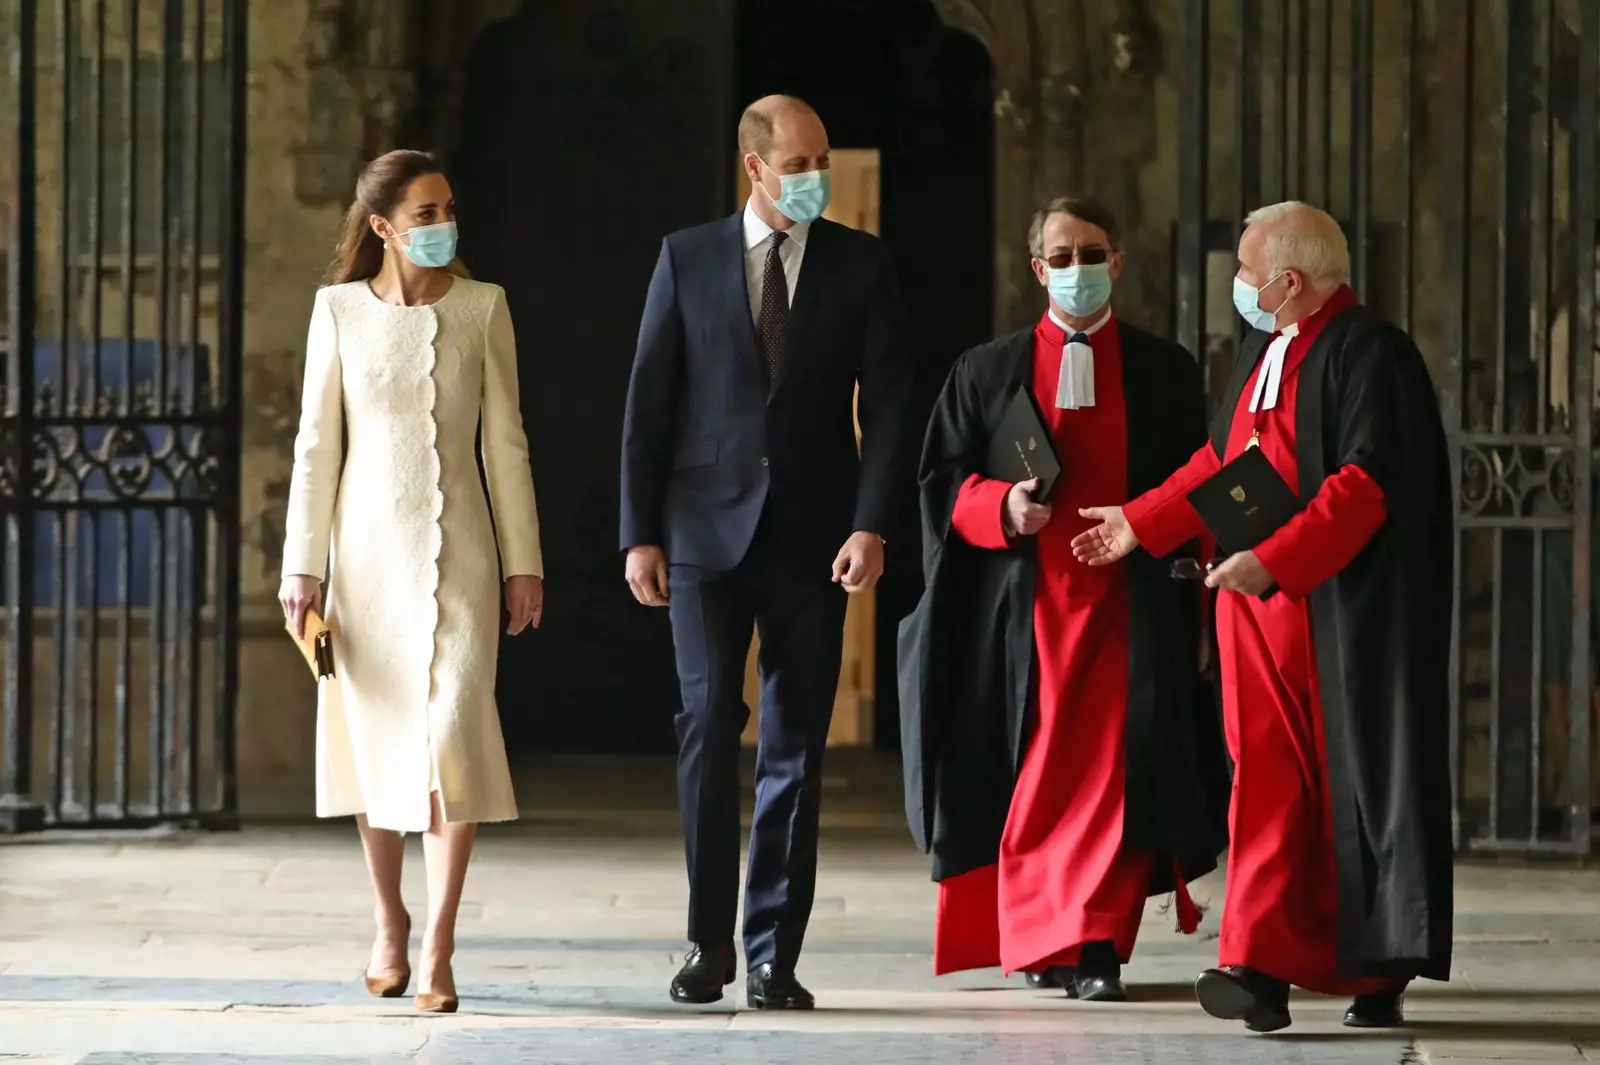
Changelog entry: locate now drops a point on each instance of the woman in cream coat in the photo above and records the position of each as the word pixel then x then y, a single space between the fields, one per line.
pixel 406 360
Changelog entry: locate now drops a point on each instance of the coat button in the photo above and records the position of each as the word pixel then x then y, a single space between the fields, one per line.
pixel 763 460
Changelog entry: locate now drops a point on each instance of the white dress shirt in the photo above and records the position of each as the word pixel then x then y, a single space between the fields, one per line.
pixel 757 242
pixel 1075 388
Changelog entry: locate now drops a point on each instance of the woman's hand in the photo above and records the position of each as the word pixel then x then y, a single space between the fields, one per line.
pixel 524 602
pixel 299 595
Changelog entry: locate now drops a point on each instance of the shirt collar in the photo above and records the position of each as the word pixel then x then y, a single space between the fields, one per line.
pixel 1055 325
pixel 756 231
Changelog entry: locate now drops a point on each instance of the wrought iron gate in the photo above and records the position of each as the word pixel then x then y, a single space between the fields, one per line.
pixel 119 442
pixel 1456 141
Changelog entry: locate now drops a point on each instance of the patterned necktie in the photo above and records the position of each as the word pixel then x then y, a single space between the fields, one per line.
pixel 774 307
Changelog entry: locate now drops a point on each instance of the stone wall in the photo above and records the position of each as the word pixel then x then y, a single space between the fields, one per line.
pixel 1087 100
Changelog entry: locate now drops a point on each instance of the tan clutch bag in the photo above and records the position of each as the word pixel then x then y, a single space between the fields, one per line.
pixel 316 645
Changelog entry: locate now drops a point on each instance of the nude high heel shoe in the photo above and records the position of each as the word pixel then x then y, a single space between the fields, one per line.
pixel 429 1003
pixel 437 1003
pixel 390 983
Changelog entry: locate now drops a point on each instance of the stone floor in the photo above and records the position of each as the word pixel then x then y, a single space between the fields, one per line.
pixel 244 948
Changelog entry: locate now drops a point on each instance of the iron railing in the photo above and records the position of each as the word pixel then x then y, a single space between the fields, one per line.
pixel 119 434
pixel 1455 140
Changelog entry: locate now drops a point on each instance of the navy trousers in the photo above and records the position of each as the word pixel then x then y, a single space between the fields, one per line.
pixel 799 613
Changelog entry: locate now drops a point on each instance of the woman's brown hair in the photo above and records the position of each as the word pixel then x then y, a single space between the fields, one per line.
pixel 381 186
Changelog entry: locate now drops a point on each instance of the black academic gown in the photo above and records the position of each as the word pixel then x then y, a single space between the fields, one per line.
pixel 1381 629
pixel 966 667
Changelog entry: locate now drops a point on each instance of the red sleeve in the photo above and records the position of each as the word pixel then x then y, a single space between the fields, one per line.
pixel 1162 518
pixel 979 515
pixel 1323 538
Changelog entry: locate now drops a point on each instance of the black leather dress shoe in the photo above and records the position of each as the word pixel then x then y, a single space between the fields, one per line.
pixel 1100 987
pixel 1098 975
pixel 768 989
pixel 707 969
pixel 1239 993
pixel 1383 1010
pixel 1056 976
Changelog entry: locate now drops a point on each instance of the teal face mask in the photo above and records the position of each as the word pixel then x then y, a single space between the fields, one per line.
pixel 1081 290
pixel 1247 301
pixel 433 245
pixel 801 197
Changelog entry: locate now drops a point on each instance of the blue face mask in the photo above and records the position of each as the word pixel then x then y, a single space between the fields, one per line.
pixel 801 197
pixel 1081 290
pixel 1247 301
pixel 433 245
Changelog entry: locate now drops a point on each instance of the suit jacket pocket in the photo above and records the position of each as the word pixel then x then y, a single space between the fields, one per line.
pixel 694 453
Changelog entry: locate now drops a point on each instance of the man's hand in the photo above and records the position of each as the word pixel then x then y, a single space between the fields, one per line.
pixel 1242 573
pixel 524 602
pixel 1110 541
pixel 1024 517
pixel 859 563
pixel 298 595
pixel 647 575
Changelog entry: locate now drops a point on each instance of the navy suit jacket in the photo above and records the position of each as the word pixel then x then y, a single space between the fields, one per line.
pixel 707 446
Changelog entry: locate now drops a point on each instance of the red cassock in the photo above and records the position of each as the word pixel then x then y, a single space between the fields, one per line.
pixel 1281 910
pixel 1063 877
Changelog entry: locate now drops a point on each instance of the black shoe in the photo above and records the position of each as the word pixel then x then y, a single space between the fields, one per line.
pixel 707 969
pixel 768 989
pixel 1239 993
pixel 1056 976
pixel 1383 1010
pixel 1107 988
pixel 1098 976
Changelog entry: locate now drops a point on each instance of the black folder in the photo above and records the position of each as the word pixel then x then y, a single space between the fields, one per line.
pixel 1244 502
pixel 1024 448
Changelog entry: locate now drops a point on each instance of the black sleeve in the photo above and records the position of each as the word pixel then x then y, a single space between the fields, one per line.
pixel 1375 396
pixel 953 450
pixel 648 420
pixel 885 404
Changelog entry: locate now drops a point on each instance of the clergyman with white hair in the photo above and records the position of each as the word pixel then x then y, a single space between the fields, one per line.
pixel 1333 641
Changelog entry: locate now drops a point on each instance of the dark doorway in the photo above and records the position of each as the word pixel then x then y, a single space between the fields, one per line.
pixel 592 129
pixel 589 130
pixel 890 75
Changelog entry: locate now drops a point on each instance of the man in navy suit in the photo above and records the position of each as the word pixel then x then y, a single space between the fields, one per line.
pixel 746 505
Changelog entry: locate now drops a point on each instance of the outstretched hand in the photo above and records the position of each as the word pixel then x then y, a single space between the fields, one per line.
pixel 1110 541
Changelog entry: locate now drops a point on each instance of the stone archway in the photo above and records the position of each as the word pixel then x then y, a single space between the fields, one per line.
pixel 1002 27
pixel 1070 74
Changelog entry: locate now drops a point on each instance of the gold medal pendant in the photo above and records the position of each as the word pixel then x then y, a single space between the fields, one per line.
pixel 1255 441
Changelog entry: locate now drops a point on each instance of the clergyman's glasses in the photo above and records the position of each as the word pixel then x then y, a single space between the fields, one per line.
pixel 1190 569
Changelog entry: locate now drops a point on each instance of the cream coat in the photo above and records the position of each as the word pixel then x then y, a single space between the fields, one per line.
pixel 396 519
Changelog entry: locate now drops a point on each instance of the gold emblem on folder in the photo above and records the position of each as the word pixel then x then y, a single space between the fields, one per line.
pixel 1237 493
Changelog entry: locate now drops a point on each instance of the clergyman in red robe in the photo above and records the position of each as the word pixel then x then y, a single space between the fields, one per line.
pixel 1333 641
pixel 1064 758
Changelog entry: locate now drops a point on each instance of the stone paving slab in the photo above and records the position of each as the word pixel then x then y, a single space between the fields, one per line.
pixel 243 949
